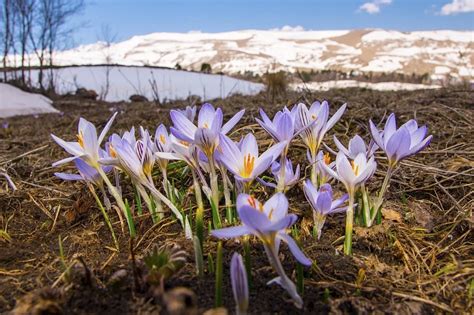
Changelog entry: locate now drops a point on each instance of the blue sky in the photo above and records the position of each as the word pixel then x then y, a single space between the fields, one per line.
pixel 126 18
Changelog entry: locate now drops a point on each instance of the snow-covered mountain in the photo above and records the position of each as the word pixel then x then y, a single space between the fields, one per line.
pixel 438 53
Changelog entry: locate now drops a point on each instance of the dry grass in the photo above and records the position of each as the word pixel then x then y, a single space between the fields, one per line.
pixel 420 260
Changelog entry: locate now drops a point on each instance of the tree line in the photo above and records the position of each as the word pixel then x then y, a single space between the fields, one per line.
pixel 34 29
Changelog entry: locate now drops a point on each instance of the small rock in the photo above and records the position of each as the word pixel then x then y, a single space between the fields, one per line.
pixel 180 301
pixel 135 98
pixel 86 94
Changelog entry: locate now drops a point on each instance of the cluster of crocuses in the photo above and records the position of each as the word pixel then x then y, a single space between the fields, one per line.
pixel 211 156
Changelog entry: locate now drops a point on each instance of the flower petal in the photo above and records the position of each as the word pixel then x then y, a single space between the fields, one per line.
pixel 106 128
pixel 295 250
pixel 276 207
pixel 230 232
pixel 232 122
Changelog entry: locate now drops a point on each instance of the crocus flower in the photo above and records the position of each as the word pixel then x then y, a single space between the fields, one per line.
pixel 356 146
pixel 206 133
pixel 269 222
pixel 86 173
pixel 162 143
pixel 282 128
pixel 128 159
pixel 400 143
pixel 352 174
pixel 189 112
pixel 291 175
pixel 87 145
pixel 319 114
pixel 240 288
pixel 322 203
pixel 322 158
pixel 245 162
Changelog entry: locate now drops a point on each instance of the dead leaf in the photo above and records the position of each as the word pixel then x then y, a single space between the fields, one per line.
pixel 392 215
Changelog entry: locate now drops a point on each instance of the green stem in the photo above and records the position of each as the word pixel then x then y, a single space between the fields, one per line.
pixel 199 211
pixel 228 201
pixel 349 224
pixel 216 218
pixel 118 198
pixel 314 169
pixel 219 275
pixel 377 215
pixel 104 213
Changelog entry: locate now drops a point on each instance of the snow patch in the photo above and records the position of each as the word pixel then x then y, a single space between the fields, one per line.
pixel 126 81
pixel 15 102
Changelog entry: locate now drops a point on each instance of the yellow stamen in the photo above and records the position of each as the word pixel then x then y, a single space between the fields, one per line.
pixel 270 213
pixel 186 144
pixel 206 126
pixel 80 140
pixel 313 116
pixel 355 168
pixel 249 162
pixel 162 139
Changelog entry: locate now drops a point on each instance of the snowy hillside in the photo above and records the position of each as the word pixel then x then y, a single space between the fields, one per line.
pixel 149 82
pixel 14 102
pixel 435 52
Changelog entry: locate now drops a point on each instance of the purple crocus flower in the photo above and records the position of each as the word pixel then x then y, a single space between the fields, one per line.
pixel 282 128
pixel 206 134
pixel 322 203
pixel 245 162
pixel 87 145
pixel 189 112
pixel 269 223
pixel 322 158
pixel 356 146
pixel 317 117
pixel 240 288
pixel 86 173
pixel 352 174
pixel 291 175
pixel 162 143
pixel 400 143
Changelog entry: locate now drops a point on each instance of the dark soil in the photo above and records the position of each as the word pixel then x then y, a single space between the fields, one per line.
pixel 419 260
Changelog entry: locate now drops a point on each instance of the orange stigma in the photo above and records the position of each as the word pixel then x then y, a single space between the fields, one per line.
pixel 112 151
pixel 253 203
pixel 327 158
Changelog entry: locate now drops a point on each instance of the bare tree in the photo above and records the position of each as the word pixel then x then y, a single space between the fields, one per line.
pixel 8 19
pixel 58 28
pixel 24 10
pixel 108 38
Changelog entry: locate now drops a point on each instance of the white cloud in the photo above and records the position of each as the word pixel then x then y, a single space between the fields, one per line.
pixel 457 6
pixel 289 28
pixel 373 7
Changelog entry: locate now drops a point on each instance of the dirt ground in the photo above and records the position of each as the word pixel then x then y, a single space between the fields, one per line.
pixel 419 261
